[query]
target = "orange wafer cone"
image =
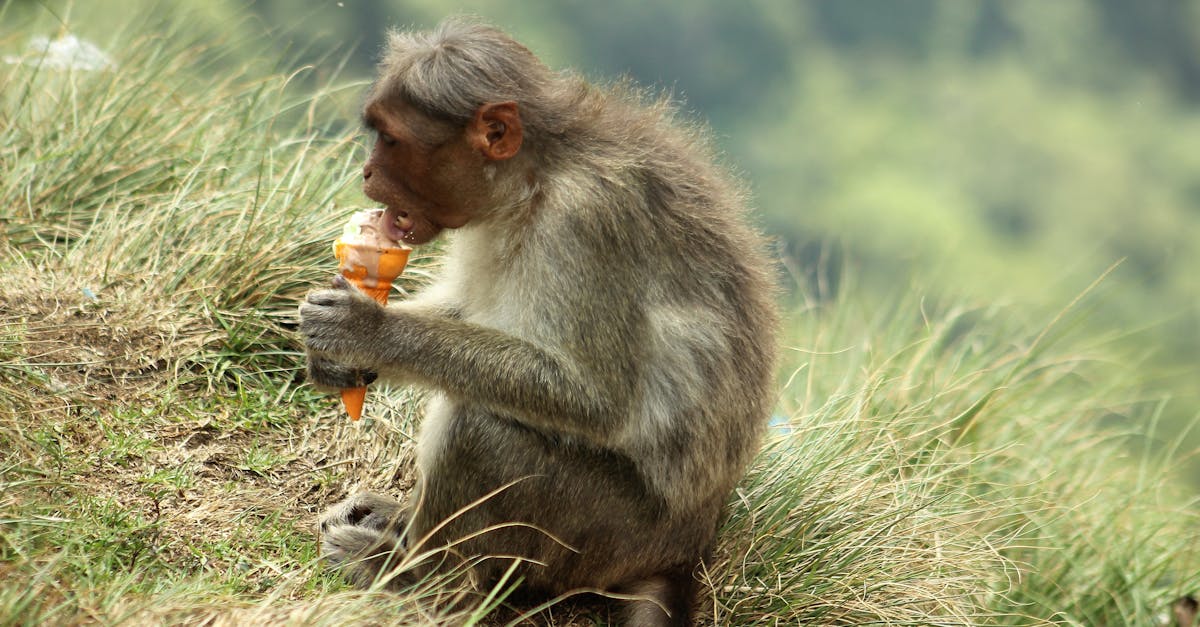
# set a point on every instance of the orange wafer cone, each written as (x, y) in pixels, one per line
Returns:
(353, 399)
(371, 269)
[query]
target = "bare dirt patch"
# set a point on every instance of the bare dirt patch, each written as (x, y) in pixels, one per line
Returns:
(90, 343)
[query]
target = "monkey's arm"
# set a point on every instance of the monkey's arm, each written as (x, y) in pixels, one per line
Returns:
(434, 301)
(465, 360)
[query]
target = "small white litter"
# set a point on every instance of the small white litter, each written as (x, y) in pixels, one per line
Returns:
(68, 52)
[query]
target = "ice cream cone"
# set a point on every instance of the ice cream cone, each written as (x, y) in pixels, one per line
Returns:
(353, 400)
(371, 267)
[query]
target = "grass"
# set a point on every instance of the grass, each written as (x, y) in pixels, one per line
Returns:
(161, 463)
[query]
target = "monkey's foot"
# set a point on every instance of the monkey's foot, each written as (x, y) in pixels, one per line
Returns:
(363, 537)
(366, 557)
(367, 510)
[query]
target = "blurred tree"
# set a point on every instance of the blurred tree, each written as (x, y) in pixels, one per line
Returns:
(1161, 35)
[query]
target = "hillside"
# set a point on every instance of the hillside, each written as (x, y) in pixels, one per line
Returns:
(934, 459)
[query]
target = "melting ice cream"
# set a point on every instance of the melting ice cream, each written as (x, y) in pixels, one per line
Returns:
(367, 257)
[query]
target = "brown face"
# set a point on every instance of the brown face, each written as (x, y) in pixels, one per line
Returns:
(430, 176)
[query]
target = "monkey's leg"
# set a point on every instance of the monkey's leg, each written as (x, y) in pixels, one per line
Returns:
(585, 517)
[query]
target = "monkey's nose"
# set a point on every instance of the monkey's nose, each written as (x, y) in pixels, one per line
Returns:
(366, 172)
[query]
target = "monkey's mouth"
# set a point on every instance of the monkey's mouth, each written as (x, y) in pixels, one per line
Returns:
(400, 226)
(396, 224)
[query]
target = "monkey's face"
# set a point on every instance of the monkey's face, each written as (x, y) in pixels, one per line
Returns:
(429, 174)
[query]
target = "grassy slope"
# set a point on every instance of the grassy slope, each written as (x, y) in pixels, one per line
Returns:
(159, 461)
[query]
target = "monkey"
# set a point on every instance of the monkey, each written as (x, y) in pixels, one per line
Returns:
(599, 343)
(1186, 609)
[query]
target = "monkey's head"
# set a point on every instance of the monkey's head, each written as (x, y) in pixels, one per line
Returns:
(432, 178)
(451, 112)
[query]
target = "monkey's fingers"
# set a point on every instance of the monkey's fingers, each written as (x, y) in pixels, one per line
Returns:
(329, 298)
(328, 374)
(315, 322)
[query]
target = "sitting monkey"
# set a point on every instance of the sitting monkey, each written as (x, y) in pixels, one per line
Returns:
(601, 339)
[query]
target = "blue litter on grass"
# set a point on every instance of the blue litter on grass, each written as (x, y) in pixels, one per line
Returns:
(780, 424)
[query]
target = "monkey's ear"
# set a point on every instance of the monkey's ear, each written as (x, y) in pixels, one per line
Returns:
(496, 130)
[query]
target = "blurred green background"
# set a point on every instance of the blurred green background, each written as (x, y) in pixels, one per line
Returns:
(1007, 150)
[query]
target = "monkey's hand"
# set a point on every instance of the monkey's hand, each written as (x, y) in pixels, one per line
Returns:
(340, 325)
(330, 376)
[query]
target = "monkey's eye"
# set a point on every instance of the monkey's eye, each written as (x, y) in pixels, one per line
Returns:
(385, 139)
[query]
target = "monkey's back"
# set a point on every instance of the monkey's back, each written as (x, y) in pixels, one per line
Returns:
(635, 259)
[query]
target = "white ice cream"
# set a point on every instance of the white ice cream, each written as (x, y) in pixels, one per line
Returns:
(362, 229)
